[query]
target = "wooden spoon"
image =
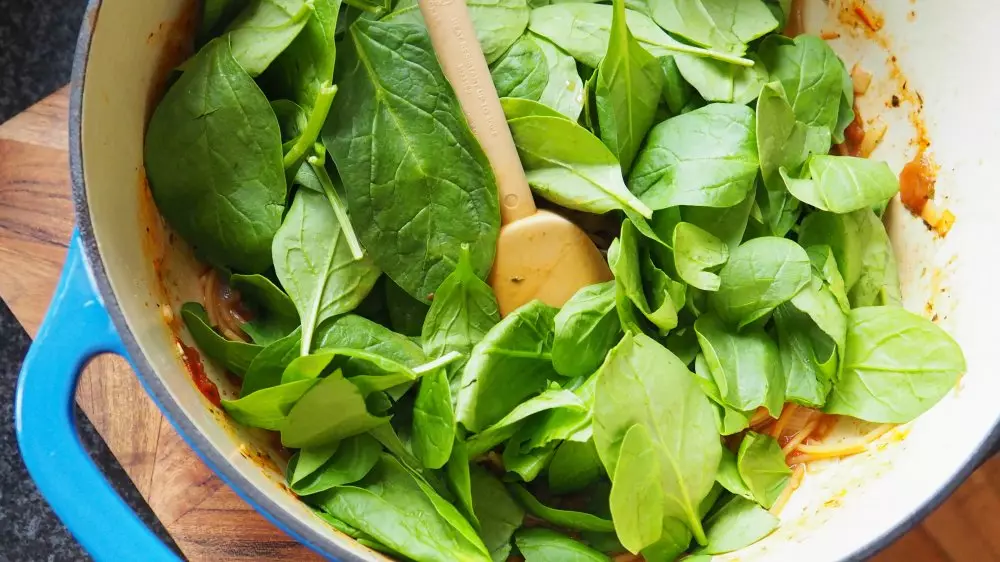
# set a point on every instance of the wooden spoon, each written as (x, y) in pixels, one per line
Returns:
(540, 255)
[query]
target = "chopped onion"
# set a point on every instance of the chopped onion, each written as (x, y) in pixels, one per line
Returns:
(873, 136)
(861, 78)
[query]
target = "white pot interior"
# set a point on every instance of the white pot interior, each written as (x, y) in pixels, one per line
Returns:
(842, 506)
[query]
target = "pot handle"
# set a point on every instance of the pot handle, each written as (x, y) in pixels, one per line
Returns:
(76, 328)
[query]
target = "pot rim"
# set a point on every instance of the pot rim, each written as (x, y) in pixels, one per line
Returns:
(203, 447)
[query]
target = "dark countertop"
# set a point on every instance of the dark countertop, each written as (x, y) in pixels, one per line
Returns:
(37, 38)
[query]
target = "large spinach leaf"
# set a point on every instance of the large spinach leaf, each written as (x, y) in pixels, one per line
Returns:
(696, 254)
(626, 262)
(354, 332)
(704, 158)
(402, 512)
(564, 91)
(627, 91)
(808, 379)
(214, 161)
(552, 399)
(265, 29)
(727, 25)
(878, 280)
(721, 81)
(745, 365)
(762, 467)
(781, 144)
(236, 356)
(565, 163)
(266, 368)
(574, 520)
(433, 420)
(897, 365)
(301, 70)
(498, 23)
(760, 275)
(331, 410)
(842, 184)
(353, 460)
(544, 545)
(393, 132)
(574, 467)
(586, 328)
(463, 311)
(268, 408)
(315, 265)
(643, 383)
(737, 524)
(511, 363)
(843, 234)
(584, 30)
(636, 494)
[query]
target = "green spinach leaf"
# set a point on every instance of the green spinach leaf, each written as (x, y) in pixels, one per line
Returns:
(273, 313)
(523, 71)
(696, 254)
(728, 224)
(760, 275)
(266, 368)
(878, 281)
(574, 520)
(636, 493)
(498, 23)
(235, 356)
(897, 365)
(624, 259)
(268, 408)
(423, 148)
(265, 29)
(762, 467)
(705, 158)
(641, 382)
(737, 524)
(307, 461)
(229, 208)
(727, 25)
(511, 363)
(406, 314)
(781, 144)
(300, 72)
(730, 420)
(842, 184)
(565, 163)
(331, 410)
(353, 460)
(564, 91)
(433, 421)
(354, 332)
(745, 365)
(497, 512)
(574, 466)
(543, 545)
(506, 427)
(845, 237)
(729, 476)
(807, 379)
(586, 328)
(627, 92)
(721, 81)
(459, 479)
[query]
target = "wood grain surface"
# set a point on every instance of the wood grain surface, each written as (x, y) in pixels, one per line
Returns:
(209, 521)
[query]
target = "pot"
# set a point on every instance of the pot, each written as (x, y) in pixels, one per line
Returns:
(123, 272)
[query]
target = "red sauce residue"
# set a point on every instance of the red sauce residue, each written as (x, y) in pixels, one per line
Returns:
(916, 184)
(192, 360)
(854, 135)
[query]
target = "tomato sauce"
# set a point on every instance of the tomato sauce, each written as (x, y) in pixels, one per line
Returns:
(192, 360)
(916, 184)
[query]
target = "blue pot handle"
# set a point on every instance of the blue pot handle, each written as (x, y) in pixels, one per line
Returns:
(76, 328)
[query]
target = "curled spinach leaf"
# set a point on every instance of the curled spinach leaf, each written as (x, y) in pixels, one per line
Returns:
(727, 25)
(353, 459)
(236, 356)
(762, 467)
(737, 524)
(586, 328)
(745, 365)
(842, 184)
(575, 520)
(564, 91)
(332, 409)
(433, 420)
(544, 545)
(522, 72)
(265, 29)
(497, 512)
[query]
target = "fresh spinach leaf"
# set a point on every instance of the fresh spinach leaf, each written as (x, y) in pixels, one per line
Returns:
(265, 29)
(696, 254)
(235, 356)
(406, 314)
(353, 460)
(574, 520)
(586, 328)
(307, 461)
(433, 420)
(584, 31)
(624, 259)
(878, 280)
(354, 332)
(423, 148)
(781, 144)
(737, 524)
(627, 92)
(300, 72)
(314, 264)
(705, 158)
(745, 365)
(526, 465)
(641, 382)
(574, 466)
(843, 235)
(266, 368)
(463, 311)
(762, 467)
(273, 313)
(218, 13)
(522, 72)
(332, 410)
(498, 23)
(564, 91)
(721, 81)
(497, 512)
(727, 25)
(565, 163)
(268, 408)
(307, 367)
(229, 210)
(807, 379)
(842, 184)
(729, 476)
(511, 363)
(636, 500)
(400, 511)
(760, 275)
(459, 479)
(677, 92)
(812, 77)
(897, 365)
(825, 265)
(544, 545)
(728, 224)
(567, 423)
(730, 420)
(506, 427)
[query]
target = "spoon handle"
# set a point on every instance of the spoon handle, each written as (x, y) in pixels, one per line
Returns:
(464, 65)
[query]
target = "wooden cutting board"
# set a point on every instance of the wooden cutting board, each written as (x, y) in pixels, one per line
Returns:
(208, 521)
